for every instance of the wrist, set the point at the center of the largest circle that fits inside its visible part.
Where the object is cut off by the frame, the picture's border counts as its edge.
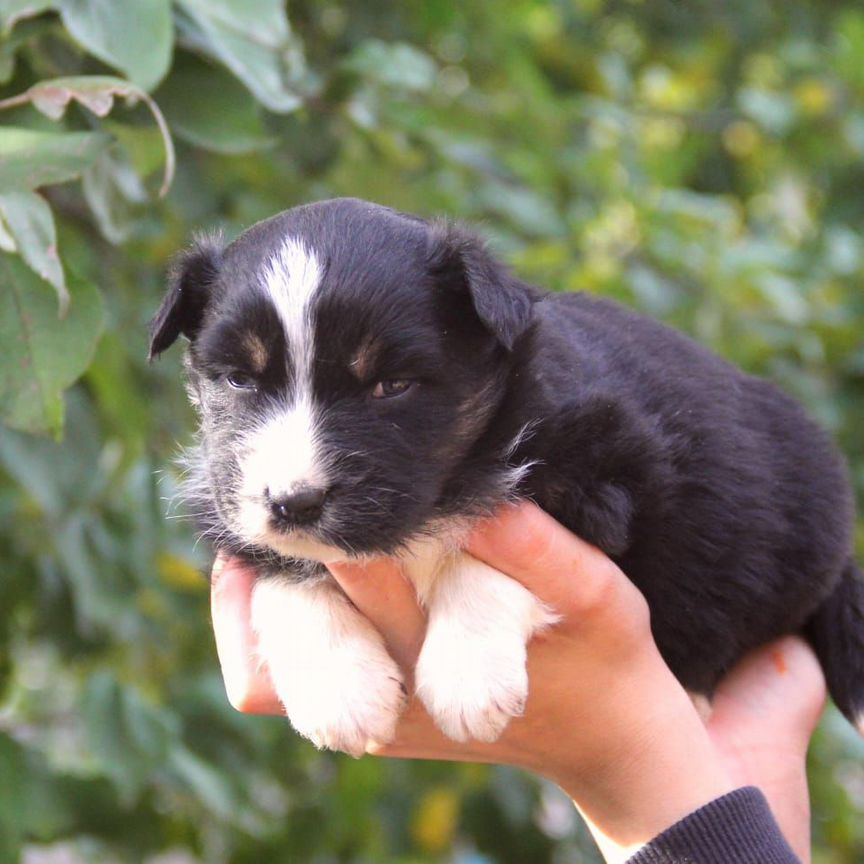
(663, 767)
(651, 803)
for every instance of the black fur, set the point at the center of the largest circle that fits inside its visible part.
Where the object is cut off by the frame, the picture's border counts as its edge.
(189, 286)
(727, 507)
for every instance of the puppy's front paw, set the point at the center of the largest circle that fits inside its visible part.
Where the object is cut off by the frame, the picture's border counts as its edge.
(347, 703)
(471, 674)
(329, 667)
(472, 687)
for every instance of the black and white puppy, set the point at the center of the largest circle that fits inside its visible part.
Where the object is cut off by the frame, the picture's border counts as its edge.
(368, 383)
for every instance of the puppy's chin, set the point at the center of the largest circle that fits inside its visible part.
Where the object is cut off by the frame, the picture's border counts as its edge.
(297, 545)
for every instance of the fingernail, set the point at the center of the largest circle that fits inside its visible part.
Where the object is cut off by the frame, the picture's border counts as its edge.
(779, 660)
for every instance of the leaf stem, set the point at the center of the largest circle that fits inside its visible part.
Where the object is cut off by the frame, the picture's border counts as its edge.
(15, 101)
(167, 141)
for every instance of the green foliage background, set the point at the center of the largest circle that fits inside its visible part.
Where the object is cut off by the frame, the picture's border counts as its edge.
(702, 161)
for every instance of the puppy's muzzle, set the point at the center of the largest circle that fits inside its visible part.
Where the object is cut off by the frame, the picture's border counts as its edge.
(302, 506)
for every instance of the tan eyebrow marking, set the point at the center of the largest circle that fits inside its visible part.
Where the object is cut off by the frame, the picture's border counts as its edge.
(363, 361)
(256, 349)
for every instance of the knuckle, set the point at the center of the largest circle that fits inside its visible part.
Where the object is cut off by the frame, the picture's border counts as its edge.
(613, 602)
(639, 610)
(600, 592)
(536, 544)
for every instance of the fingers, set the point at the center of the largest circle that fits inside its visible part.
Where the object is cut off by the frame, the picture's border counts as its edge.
(573, 577)
(246, 683)
(417, 737)
(523, 542)
(384, 595)
(777, 690)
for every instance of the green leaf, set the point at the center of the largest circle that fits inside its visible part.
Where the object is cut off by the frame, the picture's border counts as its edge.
(13, 805)
(40, 355)
(12, 11)
(31, 225)
(31, 795)
(774, 112)
(396, 65)
(268, 26)
(97, 93)
(208, 784)
(208, 107)
(136, 38)
(111, 187)
(266, 58)
(29, 159)
(129, 735)
(849, 44)
(12, 42)
(7, 241)
(141, 148)
(7, 61)
(59, 477)
(105, 708)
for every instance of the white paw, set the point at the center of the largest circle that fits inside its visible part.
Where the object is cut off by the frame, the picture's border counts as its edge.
(471, 674)
(347, 703)
(472, 687)
(329, 666)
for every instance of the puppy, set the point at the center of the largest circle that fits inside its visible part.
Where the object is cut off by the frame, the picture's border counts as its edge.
(369, 383)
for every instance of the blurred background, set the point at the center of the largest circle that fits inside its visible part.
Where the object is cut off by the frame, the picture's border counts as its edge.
(701, 161)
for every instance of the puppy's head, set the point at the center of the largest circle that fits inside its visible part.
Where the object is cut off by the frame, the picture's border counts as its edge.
(345, 360)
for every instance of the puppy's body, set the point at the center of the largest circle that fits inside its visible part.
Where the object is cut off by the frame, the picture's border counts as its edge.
(369, 383)
(718, 497)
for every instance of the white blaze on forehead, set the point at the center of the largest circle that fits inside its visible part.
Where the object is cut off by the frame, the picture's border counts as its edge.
(282, 452)
(291, 278)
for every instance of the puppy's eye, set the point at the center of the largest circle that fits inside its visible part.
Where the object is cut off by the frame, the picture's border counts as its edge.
(241, 380)
(391, 388)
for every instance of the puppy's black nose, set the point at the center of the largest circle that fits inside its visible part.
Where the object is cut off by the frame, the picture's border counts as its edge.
(300, 507)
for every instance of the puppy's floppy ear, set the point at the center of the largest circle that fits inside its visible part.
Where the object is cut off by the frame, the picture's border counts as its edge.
(189, 283)
(502, 302)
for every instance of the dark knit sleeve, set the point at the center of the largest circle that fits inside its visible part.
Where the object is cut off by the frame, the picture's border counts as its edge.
(737, 828)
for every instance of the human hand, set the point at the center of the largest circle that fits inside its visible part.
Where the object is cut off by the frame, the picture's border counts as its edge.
(605, 718)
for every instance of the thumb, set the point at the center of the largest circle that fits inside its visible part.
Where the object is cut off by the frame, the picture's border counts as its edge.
(777, 690)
